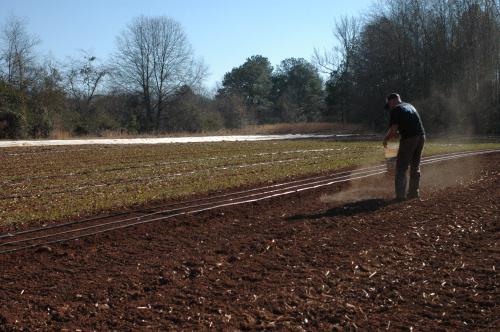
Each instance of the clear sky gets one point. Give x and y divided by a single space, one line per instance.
223 32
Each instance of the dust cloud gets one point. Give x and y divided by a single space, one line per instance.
379 186
434 177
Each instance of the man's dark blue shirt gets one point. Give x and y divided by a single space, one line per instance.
408 121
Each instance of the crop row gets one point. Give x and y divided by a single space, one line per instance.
41 184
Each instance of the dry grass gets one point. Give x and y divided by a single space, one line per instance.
303 128
269 129
60 134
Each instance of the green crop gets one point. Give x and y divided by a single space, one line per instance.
51 183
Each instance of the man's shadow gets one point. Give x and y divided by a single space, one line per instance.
349 209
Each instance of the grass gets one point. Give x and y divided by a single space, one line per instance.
51 183
301 128
268 129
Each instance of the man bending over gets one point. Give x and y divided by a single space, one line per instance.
405 120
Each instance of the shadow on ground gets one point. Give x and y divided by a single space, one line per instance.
349 209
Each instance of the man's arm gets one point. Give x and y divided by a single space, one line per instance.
392 132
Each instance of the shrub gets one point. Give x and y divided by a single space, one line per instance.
12 124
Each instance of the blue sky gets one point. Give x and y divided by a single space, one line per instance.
223 32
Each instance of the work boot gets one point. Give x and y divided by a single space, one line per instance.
413 195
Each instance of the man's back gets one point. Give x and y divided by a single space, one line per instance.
408 120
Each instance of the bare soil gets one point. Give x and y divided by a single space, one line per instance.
333 258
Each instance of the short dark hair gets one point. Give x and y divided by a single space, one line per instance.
391 97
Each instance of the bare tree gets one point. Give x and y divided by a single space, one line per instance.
154 56
17 51
327 61
84 77
337 64
447 52
346 32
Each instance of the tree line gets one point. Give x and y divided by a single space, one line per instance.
441 55
151 84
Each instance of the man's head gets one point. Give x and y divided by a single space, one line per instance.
392 101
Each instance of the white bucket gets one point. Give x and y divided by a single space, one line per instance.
391 153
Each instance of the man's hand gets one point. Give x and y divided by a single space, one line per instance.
392 132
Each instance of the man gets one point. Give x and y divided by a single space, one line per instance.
405 120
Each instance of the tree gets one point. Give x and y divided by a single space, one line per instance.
190 112
346 32
47 100
32 92
252 81
338 64
12 111
232 110
297 91
84 79
154 57
85 76
443 56
17 52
